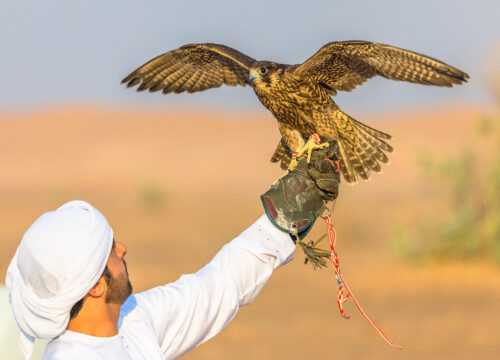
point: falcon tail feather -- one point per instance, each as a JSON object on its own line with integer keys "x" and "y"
{"x": 362, "y": 148}
{"x": 372, "y": 131}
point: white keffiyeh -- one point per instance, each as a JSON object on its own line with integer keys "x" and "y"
{"x": 60, "y": 257}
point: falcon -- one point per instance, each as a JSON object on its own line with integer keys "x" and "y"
{"x": 300, "y": 96}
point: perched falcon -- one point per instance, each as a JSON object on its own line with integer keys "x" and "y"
{"x": 300, "y": 96}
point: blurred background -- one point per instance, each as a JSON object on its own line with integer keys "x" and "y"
{"x": 180, "y": 175}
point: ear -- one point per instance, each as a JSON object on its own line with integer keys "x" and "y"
{"x": 99, "y": 289}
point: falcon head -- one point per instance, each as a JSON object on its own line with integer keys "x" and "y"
{"x": 261, "y": 71}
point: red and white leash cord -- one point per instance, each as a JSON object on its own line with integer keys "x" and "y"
{"x": 344, "y": 291}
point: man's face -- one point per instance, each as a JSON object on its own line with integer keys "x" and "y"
{"x": 119, "y": 286}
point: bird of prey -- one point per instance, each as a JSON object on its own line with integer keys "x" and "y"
{"x": 300, "y": 96}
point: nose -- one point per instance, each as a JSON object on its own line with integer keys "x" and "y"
{"x": 121, "y": 249}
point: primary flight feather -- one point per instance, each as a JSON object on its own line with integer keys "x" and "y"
{"x": 300, "y": 96}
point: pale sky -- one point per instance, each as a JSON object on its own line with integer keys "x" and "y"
{"x": 72, "y": 52}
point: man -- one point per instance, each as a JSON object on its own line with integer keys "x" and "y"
{"x": 69, "y": 284}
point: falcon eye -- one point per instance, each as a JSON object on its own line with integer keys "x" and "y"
{"x": 263, "y": 70}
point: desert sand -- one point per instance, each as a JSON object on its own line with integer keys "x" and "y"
{"x": 176, "y": 185}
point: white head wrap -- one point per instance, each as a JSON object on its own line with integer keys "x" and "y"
{"x": 60, "y": 258}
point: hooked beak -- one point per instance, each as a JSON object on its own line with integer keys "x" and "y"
{"x": 252, "y": 76}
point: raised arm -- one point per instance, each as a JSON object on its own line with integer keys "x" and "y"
{"x": 196, "y": 307}
{"x": 181, "y": 315}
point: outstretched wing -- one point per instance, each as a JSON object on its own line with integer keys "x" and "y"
{"x": 192, "y": 67}
{"x": 343, "y": 65}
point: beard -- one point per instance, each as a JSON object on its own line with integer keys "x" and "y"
{"x": 119, "y": 287}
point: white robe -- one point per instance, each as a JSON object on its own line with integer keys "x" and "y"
{"x": 169, "y": 320}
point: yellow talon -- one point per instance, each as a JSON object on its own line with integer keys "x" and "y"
{"x": 293, "y": 163}
{"x": 313, "y": 143}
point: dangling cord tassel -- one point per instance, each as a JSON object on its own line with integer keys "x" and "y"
{"x": 344, "y": 291}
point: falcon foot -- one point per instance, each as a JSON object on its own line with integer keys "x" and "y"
{"x": 293, "y": 162}
{"x": 313, "y": 143}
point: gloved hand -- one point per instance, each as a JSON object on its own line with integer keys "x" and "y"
{"x": 295, "y": 201}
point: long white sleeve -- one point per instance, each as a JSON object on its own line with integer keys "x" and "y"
{"x": 196, "y": 307}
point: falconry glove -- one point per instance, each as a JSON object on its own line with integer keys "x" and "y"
{"x": 295, "y": 200}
